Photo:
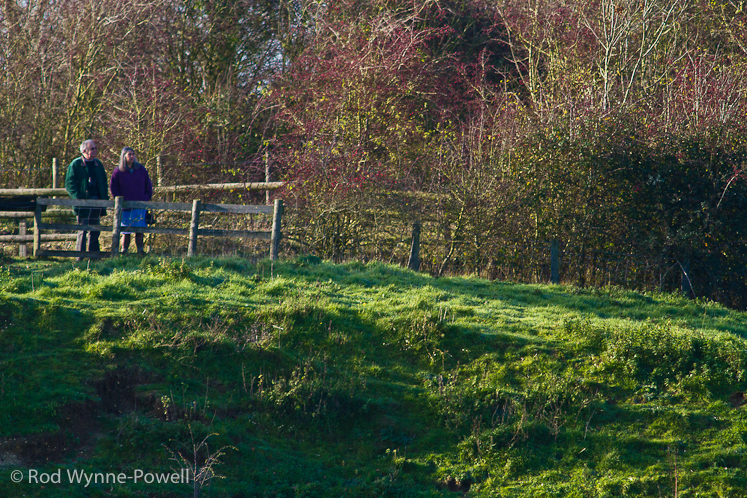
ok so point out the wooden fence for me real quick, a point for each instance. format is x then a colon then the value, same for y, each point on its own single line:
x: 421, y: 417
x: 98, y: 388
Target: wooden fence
x: 118, y: 204
x: 24, y: 237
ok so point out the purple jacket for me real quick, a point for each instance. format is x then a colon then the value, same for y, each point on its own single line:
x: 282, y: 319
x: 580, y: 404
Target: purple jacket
x: 133, y: 184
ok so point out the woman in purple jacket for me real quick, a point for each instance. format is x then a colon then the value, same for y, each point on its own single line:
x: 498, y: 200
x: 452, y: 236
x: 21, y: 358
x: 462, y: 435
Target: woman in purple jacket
x: 131, y: 181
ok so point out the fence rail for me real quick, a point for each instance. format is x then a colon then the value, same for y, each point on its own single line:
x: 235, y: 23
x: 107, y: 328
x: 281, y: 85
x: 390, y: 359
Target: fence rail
x: 195, y: 208
x: 252, y: 186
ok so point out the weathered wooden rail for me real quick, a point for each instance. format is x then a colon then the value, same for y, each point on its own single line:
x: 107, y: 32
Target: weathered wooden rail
x: 196, y: 207
x: 22, y: 217
x: 251, y: 186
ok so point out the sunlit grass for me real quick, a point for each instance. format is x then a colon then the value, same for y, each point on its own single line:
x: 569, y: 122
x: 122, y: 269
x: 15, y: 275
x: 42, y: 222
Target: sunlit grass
x: 371, y: 380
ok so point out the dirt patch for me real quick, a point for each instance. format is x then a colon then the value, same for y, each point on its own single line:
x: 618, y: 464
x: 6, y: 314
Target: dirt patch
x: 117, y: 390
x: 79, y: 427
x: 118, y: 397
x: 456, y: 486
x: 737, y: 399
x: 80, y: 424
x: 111, y: 329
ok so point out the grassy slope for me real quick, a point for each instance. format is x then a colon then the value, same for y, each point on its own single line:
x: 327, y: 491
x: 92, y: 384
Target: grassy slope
x: 314, y: 379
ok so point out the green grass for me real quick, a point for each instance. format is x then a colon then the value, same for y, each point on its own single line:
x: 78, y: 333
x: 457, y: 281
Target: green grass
x: 306, y: 378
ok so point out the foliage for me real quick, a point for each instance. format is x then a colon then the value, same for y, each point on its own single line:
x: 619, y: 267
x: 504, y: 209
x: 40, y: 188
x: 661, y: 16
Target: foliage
x: 354, y: 107
x: 614, y: 127
x: 175, y: 79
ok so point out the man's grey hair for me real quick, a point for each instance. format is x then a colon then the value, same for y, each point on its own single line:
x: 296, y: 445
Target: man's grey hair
x: 86, y: 145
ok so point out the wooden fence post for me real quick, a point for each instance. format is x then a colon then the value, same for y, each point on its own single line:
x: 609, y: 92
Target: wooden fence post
x: 116, y: 224
x: 22, y: 249
x: 414, y: 262
x: 276, y: 221
x: 554, y: 262
x: 191, y: 249
x: 37, y: 230
x: 54, y: 172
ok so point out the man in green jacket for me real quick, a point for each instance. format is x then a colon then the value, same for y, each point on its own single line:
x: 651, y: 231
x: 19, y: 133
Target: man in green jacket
x: 86, y: 179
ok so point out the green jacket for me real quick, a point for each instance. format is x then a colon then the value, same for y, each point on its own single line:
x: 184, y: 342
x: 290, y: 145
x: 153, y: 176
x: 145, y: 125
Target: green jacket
x: 76, y: 181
